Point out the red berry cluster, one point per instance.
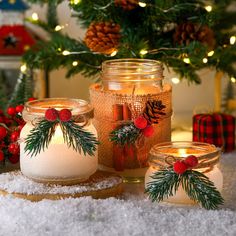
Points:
(189, 162)
(63, 115)
(11, 124)
(142, 124)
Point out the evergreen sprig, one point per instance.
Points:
(196, 185)
(40, 137)
(125, 134)
(74, 136)
(78, 138)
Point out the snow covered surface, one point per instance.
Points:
(15, 182)
(133, 214)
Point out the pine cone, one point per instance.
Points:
(153, 111)
(127, 4)
(188, 32)
(103, 37)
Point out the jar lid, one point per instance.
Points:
(165, 154)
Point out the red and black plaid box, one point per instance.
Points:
(217, 129)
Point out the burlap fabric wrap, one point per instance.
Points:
(103, 101)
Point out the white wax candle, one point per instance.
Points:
(58, 161)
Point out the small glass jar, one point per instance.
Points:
(127, 86)
(58, 163)
(208, 156)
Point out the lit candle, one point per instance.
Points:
(57, 162)
(180, 150)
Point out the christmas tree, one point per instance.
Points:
(185, 35)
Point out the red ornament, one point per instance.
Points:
(191, 161)
(14, 136)
(14, 158)
(1, 155)
(31, 99)
(179, 167)
(51, 114)
(14, 148)
(19, 108)
(148, 131)
(140, 122)
(11, 111)
(65, 115)
(3, 132)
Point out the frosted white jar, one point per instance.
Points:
(180, 150)
(58, 163)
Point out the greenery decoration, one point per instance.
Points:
(185, 35)
(197, 186)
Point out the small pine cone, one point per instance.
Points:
(153, 111)
(127, 5)
(188, 32)
(103, 37)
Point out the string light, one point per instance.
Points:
(58, 28)
(186, 60)
(75, 63)
(35, 16)
(208, 8)
(23, 68)
(175, 80)
(75, 2)
(143, 52)
(233, 80)
(142, 4)
(205, 60)
(210, 54)
(65, 53)
(113, 53)
(232, 40)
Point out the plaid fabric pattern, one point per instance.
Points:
(217, 129)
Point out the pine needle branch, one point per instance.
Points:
(78, 138)
(200, 189)
(40, 137)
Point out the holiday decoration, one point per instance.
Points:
(188, 32)
(177, 177)
(103, 37)
(127, 4)
(14, 37)
(11, 124)
(58, 141)
(131, 114)
(186, 36)
(217, 129)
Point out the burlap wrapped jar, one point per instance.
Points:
(127, 86)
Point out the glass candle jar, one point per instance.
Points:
(58, 163)
(208, 157)
(127, 86)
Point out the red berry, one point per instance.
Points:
(14, 158)
(14, 136)
(19, 108)
(14, 148)
(2, 119)
(65, 115)
(1, 155)
(31, 99)
(11, 111)
(51, 114)
(3, 132)
(20, 127)
(140, 122)
(148, 131)
(191, 161)
(179, 167)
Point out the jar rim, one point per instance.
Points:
(207, 154)
(125, 68)
(39, 106)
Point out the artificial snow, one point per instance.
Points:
(15, 182)
(132, 214)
